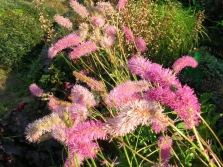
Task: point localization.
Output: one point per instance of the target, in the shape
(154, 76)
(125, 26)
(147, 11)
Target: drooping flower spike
(183, 62)
(65, 22)
(79, 9)
(83, 50)
(65, 42)
(35, 90)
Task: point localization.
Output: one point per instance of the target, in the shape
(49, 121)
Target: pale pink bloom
(79, 9)
(125, 92)
(153, 72)
(105, 8)
(78, 113)
(83, 49)
(165, 143)
(110, 30)
(183, 62)
(39, 127)
(83, 30)
(132, 114)
(128, 34)
(65, 42)
(35, 90)
(82, 96)
(107, 41)
(59, 132)
(65, 22)
(85, 132)
(57, 106)
(140, 44)
(97, 21)
(121, 4)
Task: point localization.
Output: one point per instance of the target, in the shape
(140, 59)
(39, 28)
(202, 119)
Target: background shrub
(169, 30)
(20, 30)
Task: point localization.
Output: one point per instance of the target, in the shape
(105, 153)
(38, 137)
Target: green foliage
(211, 66)
(20, 31)
(169, 30)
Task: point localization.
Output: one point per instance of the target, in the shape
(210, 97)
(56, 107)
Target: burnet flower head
(168, 90)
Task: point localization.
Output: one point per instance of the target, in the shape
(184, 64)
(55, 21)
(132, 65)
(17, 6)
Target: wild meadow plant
(124, 110)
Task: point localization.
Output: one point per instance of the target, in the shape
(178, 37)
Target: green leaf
(197, 56)
(205, 97)
(181, 126)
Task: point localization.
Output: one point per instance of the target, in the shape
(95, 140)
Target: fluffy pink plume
(170, 91)
(79, 9)
(152, 71)
(125, 92)
(97, 21)
(35, 90)
(132, 114)
(183, 62)
(83, 49)
(110, 30)
(121, 4)
(128, 34)
(67, 41)
(65, 22)
(140, 44)
(82, 96)
(165, 143)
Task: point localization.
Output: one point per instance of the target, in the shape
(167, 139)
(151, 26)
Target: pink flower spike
(35, 90)
(65, 42)
(65, 22)
(83, 49)
(121, 4)
(79, 9)
(128, 34)
(110, 30)
(165, 144)
(82, 96)
(183, 62)
(97, 21)
(140, 44)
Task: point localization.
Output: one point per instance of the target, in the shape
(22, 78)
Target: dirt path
(12, 92)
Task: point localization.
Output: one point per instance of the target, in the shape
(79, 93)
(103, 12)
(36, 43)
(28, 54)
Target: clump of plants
(20, 31)
(123, 109)
(168, 29)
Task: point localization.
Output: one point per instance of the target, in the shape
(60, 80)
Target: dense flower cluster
(139, 102)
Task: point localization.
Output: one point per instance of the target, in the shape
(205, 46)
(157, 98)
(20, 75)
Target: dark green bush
(20, 31)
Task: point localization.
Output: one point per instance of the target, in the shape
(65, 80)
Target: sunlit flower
(128, 34)
(83, 30)
(110, 30)
(83, 49)
(65, 22)
(78, 8)
(82, 96)
(92, 83)
(128, 91)
(104, 8)
(35, 90)
(140, 44)
(121, 4)
(165, 144)
(65, 42)
(132, 114)
(44, 125)
(107, 41)
(184, 62)
(97, 21)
